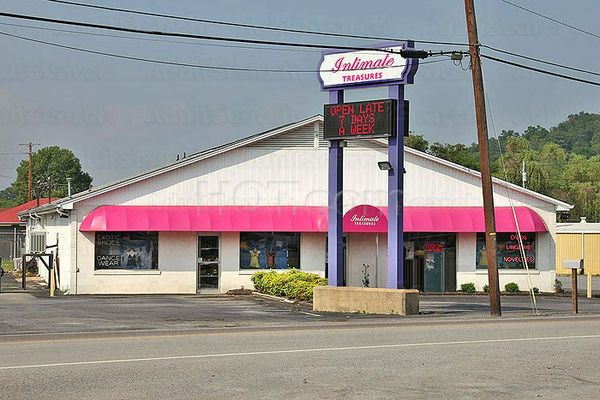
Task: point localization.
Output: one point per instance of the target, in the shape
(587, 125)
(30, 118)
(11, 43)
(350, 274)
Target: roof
(11, 215)
(578, 227)
(67, 202)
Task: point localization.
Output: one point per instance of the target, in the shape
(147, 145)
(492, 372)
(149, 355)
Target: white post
(69, 187)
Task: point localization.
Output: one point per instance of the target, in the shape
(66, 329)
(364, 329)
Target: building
(12, 229)
(209, 221)
(578, 241)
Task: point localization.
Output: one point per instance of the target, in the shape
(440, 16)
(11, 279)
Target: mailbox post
(574, 265)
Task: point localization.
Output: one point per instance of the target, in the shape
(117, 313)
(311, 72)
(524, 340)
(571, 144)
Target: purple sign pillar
(335, 241)
(395, 273)
(342, 70)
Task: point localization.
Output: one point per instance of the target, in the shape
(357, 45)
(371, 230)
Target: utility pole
(523, 174)
(484, 160)
(30, 174)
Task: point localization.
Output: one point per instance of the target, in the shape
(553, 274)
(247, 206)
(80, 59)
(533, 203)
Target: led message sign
(365, 119)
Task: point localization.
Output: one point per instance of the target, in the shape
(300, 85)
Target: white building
(209, 221)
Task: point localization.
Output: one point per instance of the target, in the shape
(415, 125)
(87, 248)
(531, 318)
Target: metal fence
(12, 243)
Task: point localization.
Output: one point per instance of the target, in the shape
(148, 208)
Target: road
(499, 359)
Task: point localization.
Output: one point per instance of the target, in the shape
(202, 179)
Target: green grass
(7, 265)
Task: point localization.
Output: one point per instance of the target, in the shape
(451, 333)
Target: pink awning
(362, 218)
(470, 219)
(206, 219)
(365, 218)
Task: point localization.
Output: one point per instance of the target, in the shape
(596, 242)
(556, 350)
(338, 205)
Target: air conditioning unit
(37, 243)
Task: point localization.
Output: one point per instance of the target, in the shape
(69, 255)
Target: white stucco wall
(176, 272)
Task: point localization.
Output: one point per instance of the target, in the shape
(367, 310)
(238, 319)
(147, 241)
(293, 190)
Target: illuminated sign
(365, 67)
(376, 118)
(434, 247)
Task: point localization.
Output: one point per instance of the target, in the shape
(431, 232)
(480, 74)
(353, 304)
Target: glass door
(434, 272)
(208, 264)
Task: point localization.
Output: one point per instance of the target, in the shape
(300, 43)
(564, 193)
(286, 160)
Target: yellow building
(578, 241)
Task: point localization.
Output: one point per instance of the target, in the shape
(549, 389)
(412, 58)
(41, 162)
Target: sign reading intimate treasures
(374, 118)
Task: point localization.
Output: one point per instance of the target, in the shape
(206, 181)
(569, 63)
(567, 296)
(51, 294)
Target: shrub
(293, 284)
(558, 286)
(511, 287)
(536, 290)
(468, 287)
(486, 288)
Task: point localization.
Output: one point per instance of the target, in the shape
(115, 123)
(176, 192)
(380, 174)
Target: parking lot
(32, 312)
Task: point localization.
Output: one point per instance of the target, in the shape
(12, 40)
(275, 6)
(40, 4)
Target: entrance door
(208, 264)
(433, 276)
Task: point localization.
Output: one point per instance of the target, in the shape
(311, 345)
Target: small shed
(578, 240)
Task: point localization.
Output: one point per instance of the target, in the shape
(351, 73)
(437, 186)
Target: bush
(511, 287)
(536, 290)
(486, 288)
(558, 286)
(293, 284)
(468, 287)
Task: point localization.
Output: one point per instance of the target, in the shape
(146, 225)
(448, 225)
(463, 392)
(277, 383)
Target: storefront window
(508, 251)
(277, 250)
(126, 250)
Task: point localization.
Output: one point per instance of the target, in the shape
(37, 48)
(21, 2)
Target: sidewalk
(12, 284)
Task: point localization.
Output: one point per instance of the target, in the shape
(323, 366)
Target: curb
(268, 296)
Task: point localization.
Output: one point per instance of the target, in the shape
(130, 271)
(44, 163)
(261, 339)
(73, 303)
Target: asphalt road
(506, 359)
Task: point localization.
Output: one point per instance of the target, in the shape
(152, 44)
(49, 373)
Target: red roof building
(9, 216)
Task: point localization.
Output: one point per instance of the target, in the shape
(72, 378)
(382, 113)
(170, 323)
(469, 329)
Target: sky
(121, 117)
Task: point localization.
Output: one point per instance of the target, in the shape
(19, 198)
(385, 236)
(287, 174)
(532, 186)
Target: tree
(456, 153)
(51, 168)
(417, 142)
(8, 198)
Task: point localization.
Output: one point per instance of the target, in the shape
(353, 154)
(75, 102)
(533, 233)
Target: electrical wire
(540, 61)
(541, 71)
(250, 26)
(180, 64)
(551, 19)
(289, 30)
(108, 35)
(190, 35)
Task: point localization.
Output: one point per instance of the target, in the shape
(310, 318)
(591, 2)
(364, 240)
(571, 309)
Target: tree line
(562, 162)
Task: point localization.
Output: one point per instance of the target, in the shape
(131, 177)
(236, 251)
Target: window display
(508, 251)
(126, 250)
(269, 250)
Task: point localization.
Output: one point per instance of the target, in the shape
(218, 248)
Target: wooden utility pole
(30, 174)
(484, 160)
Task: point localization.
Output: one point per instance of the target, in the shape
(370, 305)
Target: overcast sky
(121, 117)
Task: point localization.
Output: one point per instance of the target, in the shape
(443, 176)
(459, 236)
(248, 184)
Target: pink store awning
(206, 219)
(361, 218)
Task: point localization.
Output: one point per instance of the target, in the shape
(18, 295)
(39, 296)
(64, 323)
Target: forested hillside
(562, 162)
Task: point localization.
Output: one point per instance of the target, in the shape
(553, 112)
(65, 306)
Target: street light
(384, 165)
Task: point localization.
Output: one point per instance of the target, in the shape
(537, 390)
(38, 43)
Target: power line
(179, 64)
(551, 19)
(190, 35)
(250, 26)
(540, 60)
(541, 71)
(270, 48)
(154, 40)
